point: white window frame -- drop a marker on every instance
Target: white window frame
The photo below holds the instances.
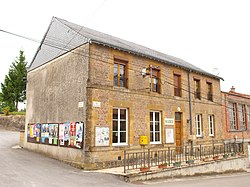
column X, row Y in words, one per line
column 118, row 120
column 211, row 125
column 155, row 142
column 198, row 124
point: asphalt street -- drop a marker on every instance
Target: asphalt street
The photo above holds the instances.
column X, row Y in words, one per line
column 23, row 168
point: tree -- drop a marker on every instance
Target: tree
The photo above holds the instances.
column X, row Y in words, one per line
column 14, row 86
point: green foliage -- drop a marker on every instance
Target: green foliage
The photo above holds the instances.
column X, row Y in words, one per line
column 6, row 110
column 18, row 113
column 14, row 86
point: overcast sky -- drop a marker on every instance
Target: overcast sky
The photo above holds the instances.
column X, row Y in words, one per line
column 211, row 34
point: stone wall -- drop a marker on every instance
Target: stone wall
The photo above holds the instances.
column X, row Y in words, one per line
column 54, row 92
column 139, row 102
column 15, row 122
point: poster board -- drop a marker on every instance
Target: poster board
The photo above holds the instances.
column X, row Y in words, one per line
column 68, row 134
column 34, row 133
column 169, row 135
column 71, row 134
column 102, row 136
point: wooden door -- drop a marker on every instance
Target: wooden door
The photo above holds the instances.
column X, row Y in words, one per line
column 178, row 129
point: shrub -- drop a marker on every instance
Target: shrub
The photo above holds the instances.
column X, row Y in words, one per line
column 6, row 110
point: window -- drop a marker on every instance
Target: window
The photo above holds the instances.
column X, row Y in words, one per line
column 248, row 114
column 155, row 127
column 155, row 83
column 232, row 115
column 242, row 116
column 177, row 85
column 120, row 78
column 211, row 125
column 209, row 91
column 120, row 126
column 198, row 122
column 197, row 92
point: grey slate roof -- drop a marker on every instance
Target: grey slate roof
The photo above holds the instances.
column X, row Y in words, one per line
column 63, row 36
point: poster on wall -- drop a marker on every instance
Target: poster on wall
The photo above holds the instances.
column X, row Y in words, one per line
column 69, row 134
column 34, row 133
column 37, row 131
column 169, row 135
column 102, row 136
column 64, row 134
column 79, row 135
column 72, row 134
column 53, row 134
column 45, row 133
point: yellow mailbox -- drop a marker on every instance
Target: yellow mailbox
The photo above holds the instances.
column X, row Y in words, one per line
column 143, row 140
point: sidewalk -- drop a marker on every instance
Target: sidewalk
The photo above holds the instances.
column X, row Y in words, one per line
column 200, row 168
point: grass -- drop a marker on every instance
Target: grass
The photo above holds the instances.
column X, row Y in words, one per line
column 15, row 113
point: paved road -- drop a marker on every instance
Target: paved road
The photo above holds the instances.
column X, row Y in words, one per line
column 19, row 167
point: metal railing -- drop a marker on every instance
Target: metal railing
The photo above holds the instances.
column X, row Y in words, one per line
column 174, row 156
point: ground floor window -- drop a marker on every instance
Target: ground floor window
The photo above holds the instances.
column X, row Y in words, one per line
column 198, row 122
column 155, row 127
column 120, row 126
column 211, row 125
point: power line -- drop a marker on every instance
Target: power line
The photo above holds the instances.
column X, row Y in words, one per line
column 51, row 44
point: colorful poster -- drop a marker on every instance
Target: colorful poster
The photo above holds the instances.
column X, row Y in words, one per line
column 31, row 131
column 38, row 131
column 66, row 131
column 72, row 134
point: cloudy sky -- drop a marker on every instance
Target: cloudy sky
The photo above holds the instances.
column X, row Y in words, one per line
column 211, row 34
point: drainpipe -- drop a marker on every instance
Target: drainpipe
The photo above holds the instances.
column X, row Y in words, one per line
column 190, row 109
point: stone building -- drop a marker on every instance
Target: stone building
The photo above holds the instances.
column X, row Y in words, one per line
column 236, row 116
column 117, row 92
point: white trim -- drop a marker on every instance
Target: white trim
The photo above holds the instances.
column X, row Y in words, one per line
column 209, row 123
column 155, row 142
column 118, row 120
column 198, row 123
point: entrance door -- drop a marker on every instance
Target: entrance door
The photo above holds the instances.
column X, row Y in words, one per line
column 178, row 129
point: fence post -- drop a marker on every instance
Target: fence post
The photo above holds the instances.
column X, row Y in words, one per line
column 200, row 151
column 213, row 148
column 169, row 156
column 124, row 161
column 148, row 157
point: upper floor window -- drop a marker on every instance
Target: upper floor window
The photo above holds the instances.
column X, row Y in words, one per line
column 155, row 127
column 198, row 122
column 120, row 77
column 197, row 87
column 120, row 126
column 209, row 91
column 211, row 125
column 232, row 115
column 155, row 80
column 177, row 85
column 242, row 116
